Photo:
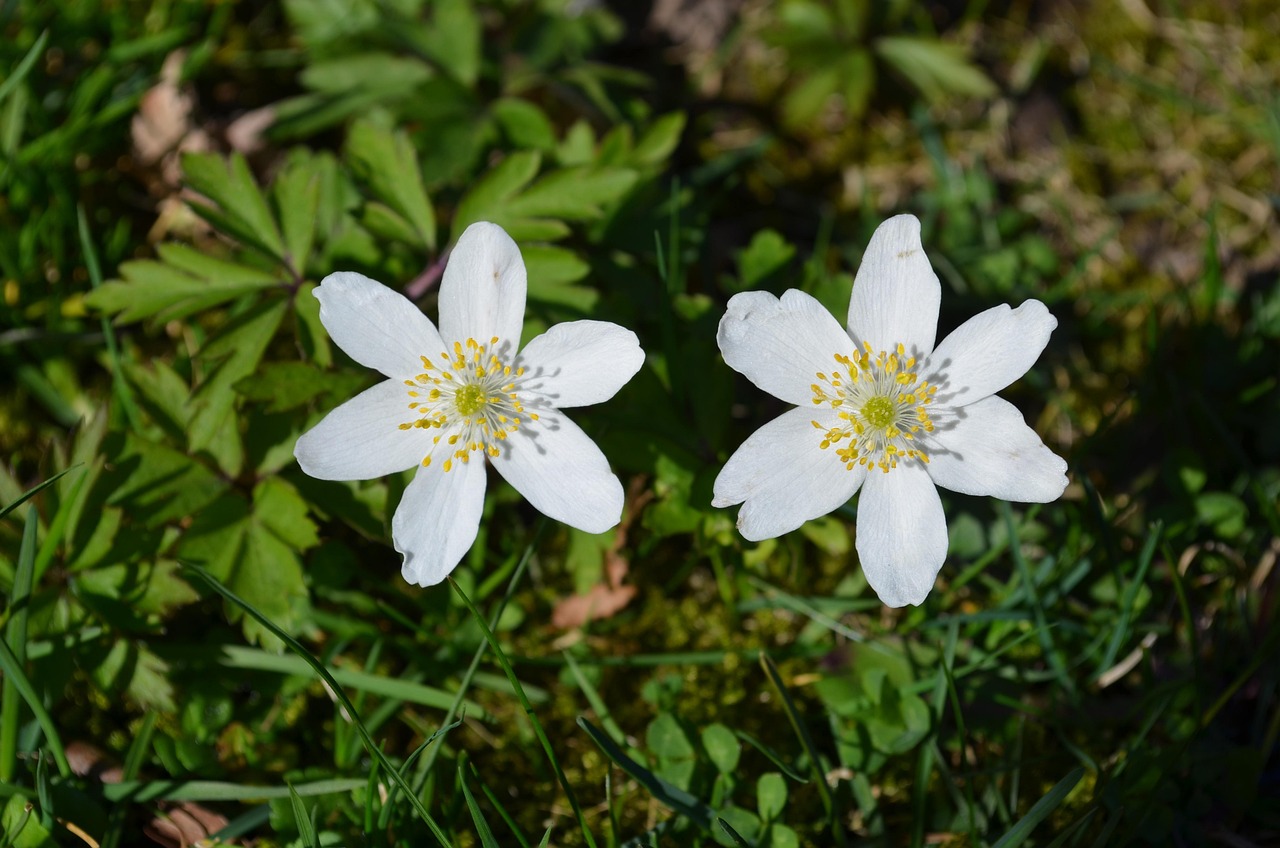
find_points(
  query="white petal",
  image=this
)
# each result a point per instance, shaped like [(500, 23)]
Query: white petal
[(562, 473), (987, 449), (437, 519), (902, 534), (988, 352), (896, 294), (483, 290), (783, 478), (361, 439), (581, 362), (375, 326), (781, 345)]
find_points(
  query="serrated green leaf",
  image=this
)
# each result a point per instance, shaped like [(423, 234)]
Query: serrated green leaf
[(659, 140), (280, 509), (240, 208), (803, 103), (767, 254), (572, 194), (233, 354), (163, 395), (578, 146), (288, 385), (488, 198), (453, 40), (297, 198), (936, 68), (524, 124), (180, 283), (156, 484), (381, 71), (235, 545), (312, 336), (387, 161)]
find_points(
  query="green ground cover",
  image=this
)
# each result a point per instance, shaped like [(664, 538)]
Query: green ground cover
[(201, 642)]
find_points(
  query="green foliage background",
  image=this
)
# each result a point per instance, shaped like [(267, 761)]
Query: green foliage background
[(194, 626)]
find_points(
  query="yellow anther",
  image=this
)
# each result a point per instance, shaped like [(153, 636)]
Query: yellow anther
[(879, 401)]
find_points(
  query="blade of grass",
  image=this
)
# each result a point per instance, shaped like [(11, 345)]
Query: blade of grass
[(806, 741), (668, 795), (1047, 643), (501, 657), (35, 490), (15, 632), (593, 698), (219, 790), (497, 805), (118, 383), (24, 67), (1128, 599), (1040, 810), (482, 827), (238, 656), (57, 527), (302, 818), (924, 761), (334, 686), (430, 759), (13, 672), (133, 761)]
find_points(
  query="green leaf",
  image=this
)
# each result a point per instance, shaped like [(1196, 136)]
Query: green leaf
[(666, 738), (155, 484), (572, 194), (771, 795), (182, 282), (388, 163), (526, 126), (658, 141), (246, 549), (370, 71), (240, 209), (20, 824), (283, 511), (766, 257), (288, 385), (488, 198), (297, 197), (453, 40), (805, 101), (936, 68), (234, 353), (552, 270), (722, 747)]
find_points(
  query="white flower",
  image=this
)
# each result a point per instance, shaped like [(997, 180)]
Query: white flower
[(462, 393), (881, 409)]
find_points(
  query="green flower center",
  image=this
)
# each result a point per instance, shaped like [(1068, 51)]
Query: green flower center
[(469, 399), (879, 412)]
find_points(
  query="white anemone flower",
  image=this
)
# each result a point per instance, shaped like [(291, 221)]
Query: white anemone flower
[(458, 395), (882, 410)]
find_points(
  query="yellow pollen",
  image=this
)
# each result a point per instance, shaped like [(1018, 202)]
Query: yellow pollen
[(471, 397), (880, 403)]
